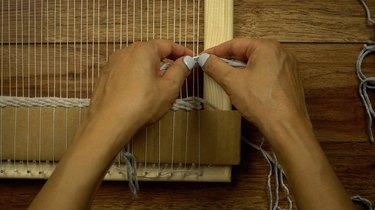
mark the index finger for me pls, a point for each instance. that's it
(169, 49)
(240, 49)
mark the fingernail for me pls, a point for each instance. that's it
(189, 62)
(202, 59)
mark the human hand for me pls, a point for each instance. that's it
(269, 93)
(131, 82)
(268, 89)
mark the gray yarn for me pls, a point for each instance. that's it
(368, 13)
(131, 165)
(363, 201)
(366, 83)
(274, 169)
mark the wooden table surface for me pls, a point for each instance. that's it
(325, 36)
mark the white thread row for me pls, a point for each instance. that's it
(188, 104)
(12, 101)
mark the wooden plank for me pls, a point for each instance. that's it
(303, 21)
(67, 21)
(218, 25)
(43, 170)
(331, 89)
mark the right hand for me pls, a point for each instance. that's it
(268, 90)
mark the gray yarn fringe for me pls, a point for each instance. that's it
(131, 165)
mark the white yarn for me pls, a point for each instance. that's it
(187, 104)
(12, 101)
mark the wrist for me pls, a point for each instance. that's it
(108, 129)
(289, 132)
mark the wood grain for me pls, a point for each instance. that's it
(331, 89)
(218, 28)
(303, 21)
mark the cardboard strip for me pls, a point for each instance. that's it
(44, 134)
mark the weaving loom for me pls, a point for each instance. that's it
(52, 52)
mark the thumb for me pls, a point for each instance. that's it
(215, 68)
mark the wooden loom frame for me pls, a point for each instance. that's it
(218, 27)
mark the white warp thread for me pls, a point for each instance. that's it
(188, 103)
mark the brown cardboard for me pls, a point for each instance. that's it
(44, 134)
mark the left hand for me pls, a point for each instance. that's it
(131, 83)
(130, 93)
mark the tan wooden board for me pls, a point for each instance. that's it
(218, 23)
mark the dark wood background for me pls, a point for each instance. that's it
(325, 36)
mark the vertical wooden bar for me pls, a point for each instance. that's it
(218, 28)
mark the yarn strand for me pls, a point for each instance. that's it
(365, 84)
(368, 13)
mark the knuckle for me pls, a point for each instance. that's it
(274, 45)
